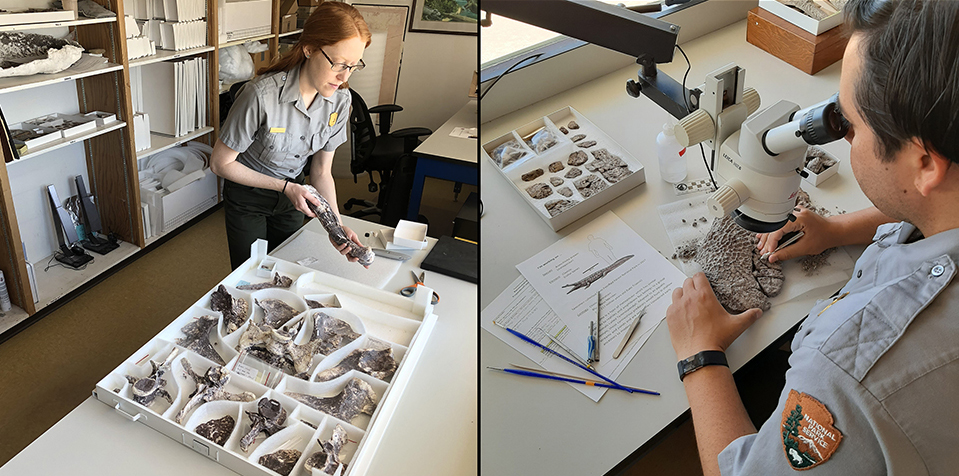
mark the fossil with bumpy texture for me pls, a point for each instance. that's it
(234, 310)
(376, 362)
(276, 347)
(209, 387)
(596, 276)
(332, 333)
(217, 430)
(198, 338)
(275, 312)
(145, 390)
(357, 397)
(327, 456)
(279, 281)
(268, 418)
(327, 217)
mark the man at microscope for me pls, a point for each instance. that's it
(874, 371)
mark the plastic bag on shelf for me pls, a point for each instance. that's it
(235, 64)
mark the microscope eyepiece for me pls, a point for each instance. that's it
(823, 125)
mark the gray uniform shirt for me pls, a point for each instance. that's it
(883, 360)
(274, 132)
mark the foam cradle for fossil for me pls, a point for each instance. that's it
(234, 310)
(357, 397)
(217, 430)
(209, 387)
(268, 418)
(198, 338)
(281, 461)
(596, 276)
(145, 390)
(327, 456)
(279, 281)
(376, 362)
(275, 312)
(327, 217)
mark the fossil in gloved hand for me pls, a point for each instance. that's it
(324, 213)
(733, 265)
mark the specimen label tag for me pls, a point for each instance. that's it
(332, 119)
(275, 130)
(809, 437)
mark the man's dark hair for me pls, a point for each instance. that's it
(909, 86)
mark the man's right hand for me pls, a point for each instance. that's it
(819, 236)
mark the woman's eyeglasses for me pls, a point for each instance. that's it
(341, 67)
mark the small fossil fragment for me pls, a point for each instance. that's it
(565, 191)
(586, 144)
(376, 362)
(317, 304)
(327, 457)
(556, 207)
(279, 281)
(577, 158)
(563, 130)
(531, 175)
(235, 310)
(695, 224)
(556, 167)
(209, 387)
(590, 185)
(817, 161)
(578, 137)
(597, 275)
(268, 418)
(276, 312)
(555, 181)
(327, 217)
(572, 125)
(281, 461)
(539, 190)
(145, 390)
(610, 166)
(198, 338)
(574, 172)
(702, 219)
(217, 430)
(357, 397)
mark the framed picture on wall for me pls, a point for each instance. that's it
(457, 17)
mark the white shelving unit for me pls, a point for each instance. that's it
(244, 40)
(290, 33)
(164, 55)
(163, 142)
(82, 69)
(57, 24)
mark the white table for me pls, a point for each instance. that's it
(432, 431)
(534, 427)
(445, 157)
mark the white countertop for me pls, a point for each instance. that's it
(440, 145)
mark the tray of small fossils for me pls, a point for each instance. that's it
(287, 374)
(564, 166)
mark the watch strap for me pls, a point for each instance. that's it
(700, 360)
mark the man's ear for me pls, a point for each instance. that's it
(931, 167)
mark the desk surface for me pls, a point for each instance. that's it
(440, 145)
(434, 426)
(536, 428)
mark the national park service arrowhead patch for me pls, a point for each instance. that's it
(809, 437)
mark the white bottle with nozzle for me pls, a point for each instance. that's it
(672, 160)
(4, 297)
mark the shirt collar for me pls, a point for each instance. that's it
(291, 88)
(913, 254)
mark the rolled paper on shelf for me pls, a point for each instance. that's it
(324, 213)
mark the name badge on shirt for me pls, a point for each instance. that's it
(332, 119)
(277, 130)
(809, 437)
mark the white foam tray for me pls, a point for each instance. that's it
(561, 152)
(402, 323)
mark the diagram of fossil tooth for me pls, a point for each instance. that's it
(596, 276)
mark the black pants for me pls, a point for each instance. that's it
(255, 213)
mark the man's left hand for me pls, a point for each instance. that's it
(698, 322)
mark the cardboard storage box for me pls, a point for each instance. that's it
(287, 23)
(806, 22)
(170, 210)
(557, 208)
(18, 18)
(800, 48)
(245, 19)
(384, 320)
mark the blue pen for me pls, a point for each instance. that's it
(526, 373)
(541, 346)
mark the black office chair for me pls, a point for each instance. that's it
(372, 152)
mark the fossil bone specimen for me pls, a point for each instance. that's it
(565, 191)
(268, 418)
(209, 387)
(281, 461)
(327, 217)
(145, 390)
(577, 158)
(556, 207)
(276, 347)
(24, 54)
(376, 362)
(357, 397)
(279, 281)
(734, 266)
(555, 181)
(817, 161)
(275, 312)
(610, 166)
(574, 172)
(331, 333)
(198, 338)
(327, 458)
(578, 137)
(596, 276)
(539, 190)
(590, 185)
(317, 304)
(563, 130)
(217, 430)
(507, 153)
(586, 143)
(234, 310)
(572, 125)
(531, 175)
(556, 166)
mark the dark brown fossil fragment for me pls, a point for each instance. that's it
(327, 217)
(234, 310)
(268, 418)
(376, 362)
(217, 430)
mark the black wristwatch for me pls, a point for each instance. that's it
(700, 360)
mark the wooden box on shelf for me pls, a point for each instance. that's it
(794, 45)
